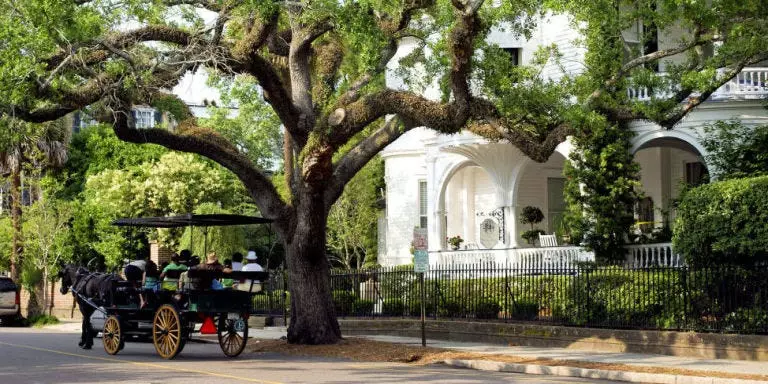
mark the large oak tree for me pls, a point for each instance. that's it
(320, 66)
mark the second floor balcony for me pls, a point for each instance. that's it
(750, 84)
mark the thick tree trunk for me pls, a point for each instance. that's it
(17, 242)
(313, 319)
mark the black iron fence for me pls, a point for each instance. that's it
(721, 299)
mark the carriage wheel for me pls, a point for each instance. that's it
(112, 335)
(167, 332)
(233, 334)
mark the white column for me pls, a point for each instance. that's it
(435, 220)
(510, 221)
(468, 205)
(666, 181)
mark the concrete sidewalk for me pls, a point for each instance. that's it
(736, 367)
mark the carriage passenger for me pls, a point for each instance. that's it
(252, 266)
(171, 282)
(150, 282)
(227, 282)
(134, 271)
(237, 261)
(211, 264)
(184, 280)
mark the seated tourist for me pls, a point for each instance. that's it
(190, 283)
(252, 266)
(211, 265)
(170, 275)
(150, 281)
(227, 282)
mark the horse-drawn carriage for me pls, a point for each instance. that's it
(169, 317)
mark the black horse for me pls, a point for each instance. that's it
(92, 286)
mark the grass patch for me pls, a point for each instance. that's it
(40, 321)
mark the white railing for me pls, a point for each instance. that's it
(638, 256)
(750, 83)
(651, 255)
(548, 256)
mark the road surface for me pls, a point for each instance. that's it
(40, 356)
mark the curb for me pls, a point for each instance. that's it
(587, 373)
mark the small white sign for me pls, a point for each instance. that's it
(420, 261)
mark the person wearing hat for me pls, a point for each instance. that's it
(252, 266)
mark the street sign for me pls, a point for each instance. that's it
(420, 261)
(420, 256)
(420, 239)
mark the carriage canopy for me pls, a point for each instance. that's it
(190, 220)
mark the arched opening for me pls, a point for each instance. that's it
(542, 185)
(667, 165)
(467, 199)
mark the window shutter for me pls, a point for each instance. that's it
(422, 204)
(158, 117)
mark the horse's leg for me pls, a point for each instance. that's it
(84, 326)
(88, 335)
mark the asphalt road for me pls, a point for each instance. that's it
(39, 356)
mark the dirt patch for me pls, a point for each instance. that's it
(359, 349)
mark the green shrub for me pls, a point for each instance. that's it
(393, 307)
(747, 320)
(451, 307)
(342, 301)
(362, 307)
(724, 223)
(487, 309)
(525, 310)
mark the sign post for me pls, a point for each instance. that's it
(421, 266)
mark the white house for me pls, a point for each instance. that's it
(463, 185)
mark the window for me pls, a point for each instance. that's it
(145, 118)
(422, 203)
(555, 202)
(514, 55)
(646, 215)
(695, 173)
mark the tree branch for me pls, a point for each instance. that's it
(681, 110)
(208, 143)
(354, 160)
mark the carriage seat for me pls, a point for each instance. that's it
(125, 292)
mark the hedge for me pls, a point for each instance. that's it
(724, 223)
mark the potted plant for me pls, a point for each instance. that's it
(532, 216)
(455, 242)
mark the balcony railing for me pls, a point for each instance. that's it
(638, 256)
(750, 83)
(652, 255)
(548, 256)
